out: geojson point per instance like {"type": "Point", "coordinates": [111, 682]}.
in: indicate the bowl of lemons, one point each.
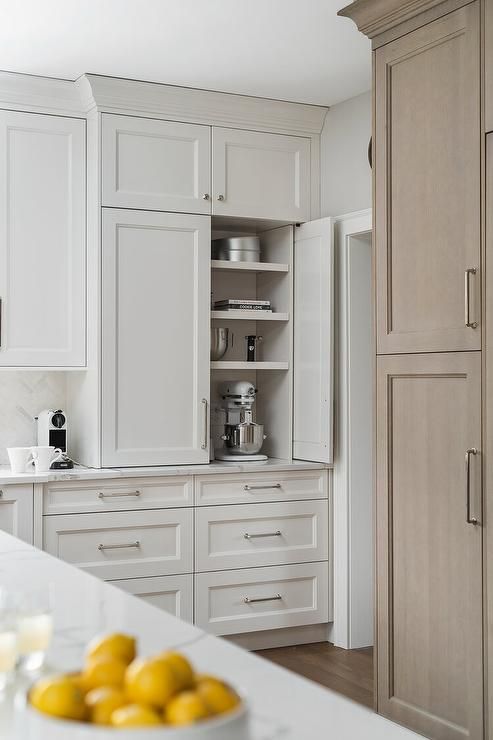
{"type": "Point", "coordinates": [157, 697]}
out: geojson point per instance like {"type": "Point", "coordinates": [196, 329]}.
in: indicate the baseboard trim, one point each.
{"type": "Point", "coordinates": [283, 637]}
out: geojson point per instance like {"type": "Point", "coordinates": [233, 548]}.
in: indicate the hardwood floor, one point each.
{"type": "Point", "coordinates": [349, 672]}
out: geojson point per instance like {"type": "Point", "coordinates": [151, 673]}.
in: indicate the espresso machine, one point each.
{"type": "Point", "coordinates": [242, 438]}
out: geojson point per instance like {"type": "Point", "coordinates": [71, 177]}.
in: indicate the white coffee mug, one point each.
{"type": "Point", "coordinates": [21, 459]}
{"type": "Point", "coordinates": [44, 456]}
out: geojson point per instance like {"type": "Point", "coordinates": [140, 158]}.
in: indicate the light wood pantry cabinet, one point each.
{"type": "Point", "coordinates": [42, 240]}
{"type": "Point", "coordinates": [155, 338]}
{"type": "Point", "coordinates": [16, 510]}
{"type": "Point", "coordinates": [429, 540]}
{"type": "Point", "coordinates": [428, 180]}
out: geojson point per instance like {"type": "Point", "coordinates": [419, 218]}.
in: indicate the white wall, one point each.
{"type": "Point", "coordinates": [23, 394]}
{"type": "Point", "coordinates": [345, 172]}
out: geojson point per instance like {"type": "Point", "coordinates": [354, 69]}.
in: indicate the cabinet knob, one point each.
{"type": "Point", "coordinates": [220, 197]}
{"type": "Point", "coordinates": [206, 196]}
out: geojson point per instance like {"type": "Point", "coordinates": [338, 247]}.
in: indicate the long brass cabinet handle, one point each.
{"type": "Point", "coordinates": [260, 488]}
{"type": "Point", "coordinates": [469, 519]}
{"type": "Point", "coordinates": [248, 536]}
{"type": "Point", "coordinates": [248, 600]}
{"type": "Point", "coordinates": [206, 424]}
{"type": "Point", "coordinates": [467, 307]}
{"type": "Point", "coordinates": [102, 494]}
{"type": "Point", "coordinates": [121, 546]}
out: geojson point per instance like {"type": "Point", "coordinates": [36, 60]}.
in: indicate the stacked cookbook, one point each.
{"type": "Point", "coordinates": [240, 304]}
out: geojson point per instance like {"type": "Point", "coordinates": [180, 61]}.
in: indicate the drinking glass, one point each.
{"type": "Point", "coordinates": [8, 638]}
{"type": "Point", "coordinates": [34, 628]}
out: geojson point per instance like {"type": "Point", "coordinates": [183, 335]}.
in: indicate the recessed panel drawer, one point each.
{"type": "Point", "coordinates": [243, 488]}
{"type": "Point", "coordinates": [117, 495]}
{"type": "Point", "coordinates": [252, 535]}
{"type": "Point", "coordinates": [173, 594]}
{"type": "Point", "coordinates": [262, 598]}
{"type": "Point", "coordinates": [123, 544]}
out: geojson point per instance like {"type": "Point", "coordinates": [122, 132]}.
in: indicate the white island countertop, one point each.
{"type": "Point", "coordinates": [272, 465]}
{"type": "Point", "coordinates": [284, 706]}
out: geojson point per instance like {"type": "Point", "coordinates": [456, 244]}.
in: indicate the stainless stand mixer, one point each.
{"type": "Point", "coordinates": [243, 438]}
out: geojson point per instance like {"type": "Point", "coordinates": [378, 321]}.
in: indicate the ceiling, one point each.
{"type": "Point", "coordinates": [288, 49]}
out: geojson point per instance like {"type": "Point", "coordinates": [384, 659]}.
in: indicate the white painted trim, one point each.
{"type": "Point", "coordinates": [347, 627]}
{"type": "Point", "coordinates": [39, 95]}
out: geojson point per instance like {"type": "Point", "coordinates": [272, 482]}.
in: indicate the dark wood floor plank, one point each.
{"type": "Point", "coordinates": [349, 672]}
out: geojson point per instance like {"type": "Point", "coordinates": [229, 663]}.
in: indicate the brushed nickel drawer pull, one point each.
{"type": "Point", "coordinates": [248, 536]}
{"type": "Point", "coordinates": [121, 546]}
{"type": "Point", "coordinates": [467, 313]}
{"type": "Point", "coordinates": [203, 446]}
{"type": "Point", "coordinates": [469, 519]}
{"type": "Point", "coordinates": [248, 600]}
{"type": "Point", "coordinates": [260, 488]}
{"type": "Point", "coordinates": [102, 494]}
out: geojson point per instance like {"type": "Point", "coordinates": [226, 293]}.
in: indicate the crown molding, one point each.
{"type": "Point", "coordinates": [154, 100]}
{"type": "Point", "coordinates": [39, 94]}
{"type": "Point", "coordinates": [375, 17]}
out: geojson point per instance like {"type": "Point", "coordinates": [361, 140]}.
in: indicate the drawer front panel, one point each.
{"type": "Point", "coordinates": [244, 488]}
{"type": "Point", "coordinates": [173, 594]}
{"type": "Point", "coordinates": [261, 534]}
{"type": "Point", "coordinates": [262, 598]}
{"type": "Point", "coordinates": [123, 544]}
{"type": "Point", "coordinates": [117, 495]}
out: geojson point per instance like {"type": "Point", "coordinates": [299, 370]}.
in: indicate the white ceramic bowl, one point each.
{"type": "Point", "coordinates": [34, 725]}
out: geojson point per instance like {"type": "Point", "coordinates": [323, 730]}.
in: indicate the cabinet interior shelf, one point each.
{"type": "Point", "coordinates": [249, 266]}
{"type": "Point", "coordinates": [243, 365]}
{"type": "Point", "coordinates": [249, 315]}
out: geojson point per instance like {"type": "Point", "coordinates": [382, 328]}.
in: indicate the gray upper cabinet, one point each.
{"type": "Point", "coordinates": [428, 180]}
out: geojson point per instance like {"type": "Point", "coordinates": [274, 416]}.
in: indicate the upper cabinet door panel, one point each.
{"type": "Point", "coordinates": [428, 178]}
{"type": "Point", "coordinates": [261, 175]}
{"type": "Point", "coordinates": [488, 76]}
{"type": "Point", "coordinates": [156, 165]}
{"type": "Point", "coordinates": [42, 240]}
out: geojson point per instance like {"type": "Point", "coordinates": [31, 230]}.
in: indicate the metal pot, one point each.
{"type": "Point", "coordinates": [219, 342]}
{"type": "Point", "coordinates": [246, 438]}
{"type": "Point", "coordinates": [237, 249]}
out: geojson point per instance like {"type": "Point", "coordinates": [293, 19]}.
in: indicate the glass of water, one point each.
{"type": "Point", "coordinates": [34, 628]}
{"type": "Point", "coordinates": [8, 638]}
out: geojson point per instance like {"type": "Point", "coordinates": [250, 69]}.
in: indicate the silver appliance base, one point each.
{"type": "Point", "coordinates": [231, 457]}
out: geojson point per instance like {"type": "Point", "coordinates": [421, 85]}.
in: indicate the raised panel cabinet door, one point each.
{"type": "Point", "coordinates": [42, 240]}
{"type": "Point", "coordinates": [428, 180]}
{"type": "Point", "coordinates": [155, 338]}
{"type": "Point", "coordinates": [17, 511]}
{"type": "Point", "coordinates": [429, 547]}
{"type": "Point", "coordinates": [156, 165]}
{"type": "Point", "coordinates": [313, 341]}
{"type": "Point", "coordinates": [260, 175]}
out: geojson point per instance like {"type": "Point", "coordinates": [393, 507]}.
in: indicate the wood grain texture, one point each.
{"type": "Point", "coordinates": [428, 178]}
{"type": "Point", "coordinates": [429, 559]}
{"type": "Point", "coordinates": [349, 672]}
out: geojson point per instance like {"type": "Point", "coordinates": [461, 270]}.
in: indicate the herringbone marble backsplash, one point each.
{"type": "Point", "coordinates": [22, 396]}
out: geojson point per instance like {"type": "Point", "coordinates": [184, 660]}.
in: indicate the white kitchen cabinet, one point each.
{"type": "Point", "coordinates": [17, 511]}
{"type": "Point", "coordinates": [173, 594]}
{"type": "Point", "coordinates": [42, 240]}
{"type": "Point", "coordinates": [156, 165]}
{"type": "Point", "coordinates": [155, 338]}
{"type": "Point", "coordinates": [313, 341]}
{"type": "Point", "coordinates": [260, 175]}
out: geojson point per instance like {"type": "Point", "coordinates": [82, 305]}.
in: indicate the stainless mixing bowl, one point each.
{"type": "Point", "coordinates": [245, 439]}
{"type": "Point", "coordinates": [219, 342]}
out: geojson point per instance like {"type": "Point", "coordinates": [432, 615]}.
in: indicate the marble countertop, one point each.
{"type": "Point", "coordinates": [284, 706]}
{"type": "Point", "coordinates": [81, 473]}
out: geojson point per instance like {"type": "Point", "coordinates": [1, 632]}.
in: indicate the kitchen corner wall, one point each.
{"type": "Point", "coordinates": [23, 394]}
{"type": "Point", "coordinates": [344, 169]}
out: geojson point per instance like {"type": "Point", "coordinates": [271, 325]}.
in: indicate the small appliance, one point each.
{"type": "Point", "coordinates": [52, 432]}
{"type": "Point", "coordinates": [242, 437]}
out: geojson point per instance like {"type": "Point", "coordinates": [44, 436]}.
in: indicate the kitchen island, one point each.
{"type": "Point", "coordinates": [283, 705]}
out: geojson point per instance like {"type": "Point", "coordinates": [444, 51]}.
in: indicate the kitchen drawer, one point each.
{"type": "Point", "coordinates": [262, 598]}
{"type": "Point", "coordinates": [243, 488]}
{"type": "Point", "coordinates": [125, 544]}
{"type": "Point", "coordinates": [173, 594]}
{"type": "Point", "coordinates": [117, 495]}
{"type": "Point", "coordinates": [250, 535]}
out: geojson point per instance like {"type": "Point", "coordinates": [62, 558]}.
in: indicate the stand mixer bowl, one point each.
{"type": "Point", "coordinates": [246, 438]}
{"type": "Point", "coordinates": [219, 342]}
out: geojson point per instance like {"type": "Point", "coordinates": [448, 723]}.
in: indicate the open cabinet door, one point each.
{"type": "Point", "coordinates": [313, 340]}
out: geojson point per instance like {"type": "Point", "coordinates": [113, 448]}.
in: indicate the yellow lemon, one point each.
{"type": "Point", "coordinates": [77, 679]}
{"type": "Point", "coordinates": [102, 702]}
{"type": "Point", "coordinates": [217, 696]}
{"type": "Point", "coordinates": [104, 671]}
{"type": "Point", "coordinates": [122, 647]}
{"type": "Point", "coordinates": [134, 715]}
{"type": "Point", "coordinates": [60, 697]}
{"type": "Point", "coordinates": [151, 681]}
{"type": "Point", "coordinates": [186, 708]}
{"type": "Point", "coordinates": [182, 668]}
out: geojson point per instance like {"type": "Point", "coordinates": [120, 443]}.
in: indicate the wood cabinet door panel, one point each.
{"type": "Point", "coordinates": [428, 178]}
{"type": "Point", "coordinates": [429, 560]}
